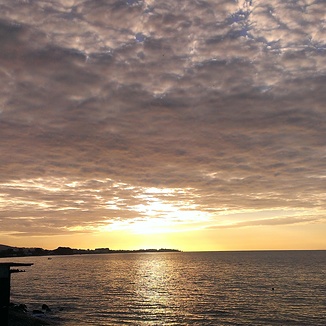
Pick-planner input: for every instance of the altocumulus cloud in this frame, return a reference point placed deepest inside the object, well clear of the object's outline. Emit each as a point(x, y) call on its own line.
point(177, 110)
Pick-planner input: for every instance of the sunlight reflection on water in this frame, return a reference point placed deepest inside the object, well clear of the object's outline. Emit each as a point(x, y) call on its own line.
point(216, 288)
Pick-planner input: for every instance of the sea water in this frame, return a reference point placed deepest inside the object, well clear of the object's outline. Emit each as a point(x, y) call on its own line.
point(187, 288)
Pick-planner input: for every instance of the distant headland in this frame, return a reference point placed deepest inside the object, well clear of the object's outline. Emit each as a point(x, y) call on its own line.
point(8, 251)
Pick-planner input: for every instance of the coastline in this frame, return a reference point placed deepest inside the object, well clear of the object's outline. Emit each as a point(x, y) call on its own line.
point(17, 318)
point(8, 251)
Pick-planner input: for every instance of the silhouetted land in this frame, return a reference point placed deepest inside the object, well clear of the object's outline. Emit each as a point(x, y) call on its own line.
point(7, 251)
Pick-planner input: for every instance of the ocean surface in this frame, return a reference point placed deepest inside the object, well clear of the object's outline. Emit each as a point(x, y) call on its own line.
point(204, 288)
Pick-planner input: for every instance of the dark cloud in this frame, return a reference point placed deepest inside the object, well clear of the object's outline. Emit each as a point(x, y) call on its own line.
point(219, 103)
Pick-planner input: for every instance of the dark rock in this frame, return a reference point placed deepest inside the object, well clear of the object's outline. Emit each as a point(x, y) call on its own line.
point(18, 318)
point(18, 307)
point(46, 307)
point(22, 307)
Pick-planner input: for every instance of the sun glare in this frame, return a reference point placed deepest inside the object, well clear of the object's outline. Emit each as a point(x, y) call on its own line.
point(151, 226)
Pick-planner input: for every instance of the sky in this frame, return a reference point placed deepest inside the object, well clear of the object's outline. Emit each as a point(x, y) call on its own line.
point(196, 125)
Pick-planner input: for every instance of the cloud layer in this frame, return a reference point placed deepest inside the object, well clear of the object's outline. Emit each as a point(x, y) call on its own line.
point(177, 110)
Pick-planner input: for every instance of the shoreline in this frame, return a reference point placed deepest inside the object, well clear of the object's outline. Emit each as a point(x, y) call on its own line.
point(23, 318)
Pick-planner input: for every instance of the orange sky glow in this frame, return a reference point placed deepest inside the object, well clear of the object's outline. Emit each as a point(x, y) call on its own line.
point(195, 125)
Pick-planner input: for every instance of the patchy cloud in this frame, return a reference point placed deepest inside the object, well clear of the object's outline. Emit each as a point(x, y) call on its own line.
point(289, 220)
point(126, 110)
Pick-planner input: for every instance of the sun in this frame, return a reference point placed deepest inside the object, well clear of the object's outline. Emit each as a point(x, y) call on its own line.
point(159, 211)
point(151, 226)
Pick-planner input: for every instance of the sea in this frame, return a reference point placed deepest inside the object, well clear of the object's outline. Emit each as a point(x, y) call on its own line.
point(177, 288)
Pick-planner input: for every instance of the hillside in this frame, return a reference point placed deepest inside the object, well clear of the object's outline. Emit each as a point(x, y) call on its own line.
point(4, 247)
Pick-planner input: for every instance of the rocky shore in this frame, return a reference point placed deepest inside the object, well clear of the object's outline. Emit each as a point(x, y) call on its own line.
point(24, 319)
point(18, 316)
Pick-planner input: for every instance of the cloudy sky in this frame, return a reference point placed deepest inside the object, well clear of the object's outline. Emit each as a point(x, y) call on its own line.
point(159, 123)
